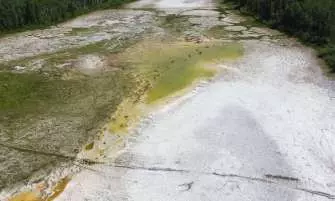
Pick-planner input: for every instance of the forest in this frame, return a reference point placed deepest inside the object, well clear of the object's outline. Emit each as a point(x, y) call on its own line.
point(313, 21)
point(23, 14)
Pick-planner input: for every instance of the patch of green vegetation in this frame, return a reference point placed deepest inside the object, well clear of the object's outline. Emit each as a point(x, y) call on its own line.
point(328, 54)
point(28, 93)
point(55, 116)
point(227, 6)
point(35, 94)
point(42, 111)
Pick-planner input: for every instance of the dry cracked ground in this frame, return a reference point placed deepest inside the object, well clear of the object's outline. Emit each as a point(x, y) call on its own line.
point(164, 100)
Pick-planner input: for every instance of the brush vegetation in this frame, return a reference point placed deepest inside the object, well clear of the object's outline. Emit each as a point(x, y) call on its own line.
point(26, 14)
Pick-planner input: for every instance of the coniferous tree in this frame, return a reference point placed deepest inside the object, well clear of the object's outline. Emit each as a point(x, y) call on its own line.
point(16, 14)
point(311, 20)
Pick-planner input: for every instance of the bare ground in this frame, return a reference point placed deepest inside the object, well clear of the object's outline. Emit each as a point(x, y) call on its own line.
point(264, 125)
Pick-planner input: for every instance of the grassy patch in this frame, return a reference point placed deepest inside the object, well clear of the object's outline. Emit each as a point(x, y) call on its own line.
point(31, 93)
point(27, 96)
point(64, 114)
point(328, 54)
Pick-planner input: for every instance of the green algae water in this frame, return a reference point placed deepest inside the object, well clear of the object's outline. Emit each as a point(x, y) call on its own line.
point(172, 67)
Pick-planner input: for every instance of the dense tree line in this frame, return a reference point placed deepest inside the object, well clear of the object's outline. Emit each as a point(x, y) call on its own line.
point(313, 21)
point(16, 14)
